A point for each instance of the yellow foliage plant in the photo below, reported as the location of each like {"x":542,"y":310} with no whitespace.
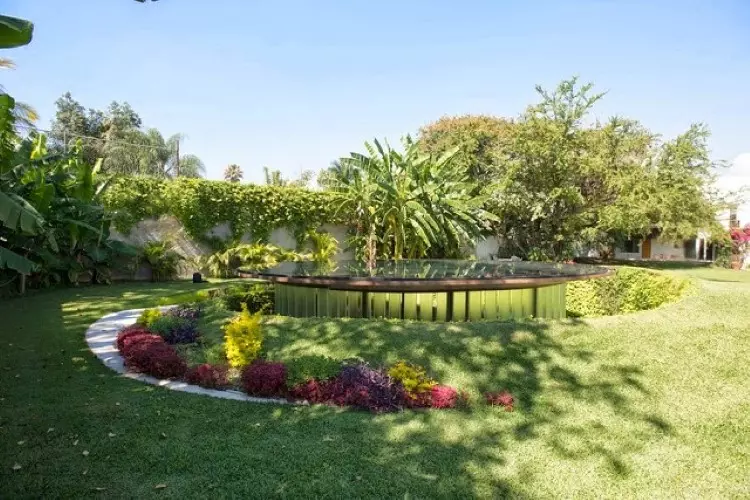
{"x":413,"y":377}
{"x":243,"y":338}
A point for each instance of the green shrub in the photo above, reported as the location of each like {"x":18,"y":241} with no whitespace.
{"x":163,"y":260}
{"x":257,"y":297}
{"x":148,"y":316}
{"x":304,"y":368}
{"x":628,"y":290}
{"x":188,"y":297}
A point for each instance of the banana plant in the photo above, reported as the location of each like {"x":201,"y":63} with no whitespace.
{"x":406,"y":203}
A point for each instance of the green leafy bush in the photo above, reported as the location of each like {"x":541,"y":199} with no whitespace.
{"x":148,"y":316}
{"x":163,"y":260}
{"x":304,"y":368}
{"x":257,"y":297}
{"x":628,"y":290}
{"x":196,"y":297}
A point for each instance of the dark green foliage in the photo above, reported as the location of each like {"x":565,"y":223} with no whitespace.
{"x":162,"y":259}
{"x":629,"y":290}
{"x":175,"y":329}
{"x":304,"y":368}
{"x":258,"y":298}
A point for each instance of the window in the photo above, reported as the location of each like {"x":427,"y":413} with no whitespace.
{"x":733,"y":221}
{"x":630,"y":246}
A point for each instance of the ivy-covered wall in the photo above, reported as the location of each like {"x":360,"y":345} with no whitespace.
{"x":203,"y":205}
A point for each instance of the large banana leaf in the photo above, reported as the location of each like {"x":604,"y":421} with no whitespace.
{"x":16,"y":214}
{"x":15,"y":32}
{"x":12,"y":260}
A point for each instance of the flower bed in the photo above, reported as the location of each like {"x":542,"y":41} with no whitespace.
{"x":153,"y":346}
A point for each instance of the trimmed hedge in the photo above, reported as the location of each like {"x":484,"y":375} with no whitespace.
{"x":628,"y":290}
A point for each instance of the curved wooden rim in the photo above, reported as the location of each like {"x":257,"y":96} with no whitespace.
{"x":420,"y":285}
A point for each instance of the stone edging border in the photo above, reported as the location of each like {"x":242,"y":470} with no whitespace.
{"x":102,"y":335}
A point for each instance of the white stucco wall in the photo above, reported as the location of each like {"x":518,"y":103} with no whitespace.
{"x":486,"y":248}
{"x":620,"y":255}
{"x":168,"y":228}
{"x":665,"y":250}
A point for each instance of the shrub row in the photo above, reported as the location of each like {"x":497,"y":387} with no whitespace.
{"x":627,"y":290}
{"x":150,"y":354}
{"x":256,"y":297}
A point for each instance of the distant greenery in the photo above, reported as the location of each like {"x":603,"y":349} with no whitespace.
{"x":554,"y":179}
{"x":628,"y":290}
{"x":117,"y":135}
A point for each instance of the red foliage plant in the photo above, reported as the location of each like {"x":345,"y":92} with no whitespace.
{"x":502,"y":398}
{"x":208,"y":376}
{"x":263,"y":378}
{"x":151,"y":355}
{"x":443,"y":396}
{"x":313,"y":391}
{"x":128,"y":332}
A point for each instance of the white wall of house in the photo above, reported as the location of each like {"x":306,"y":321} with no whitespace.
{"x":168,"y":228}
{"x":623,"y":255}
{"x":487,"y":248}
{"x":667,"y":250}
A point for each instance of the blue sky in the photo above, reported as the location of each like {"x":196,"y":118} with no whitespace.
{"x":296,"y":84}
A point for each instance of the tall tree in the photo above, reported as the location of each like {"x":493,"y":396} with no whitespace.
{"x":25,"y":115}
{"x":233,"y":173}
{"x":118,"y":137}
{"x":482,"y":143}
{"x":275,"y":178}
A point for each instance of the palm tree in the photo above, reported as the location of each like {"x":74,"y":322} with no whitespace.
{"x":162,"y":158}
{"x":275,"y":178}
{"x":24,"y":114}
{"x":405,"y":204}
{"x":233,"y":173}
{"x":189,"y":166}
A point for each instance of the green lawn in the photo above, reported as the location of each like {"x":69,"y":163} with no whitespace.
{"x":653,"y":404}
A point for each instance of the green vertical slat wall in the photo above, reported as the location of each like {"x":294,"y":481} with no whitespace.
{"x":490,"y":305}
{"x":544,"y":302}
{"x":425,"y":306}
{"x":410,"y":306}
{"x":475,"y":305}
{"x":441,"y":300}
{"x":550,"y":302}
{"x":459,"y":306}
{"x":395,"y":300}
{"x":377,"y":309}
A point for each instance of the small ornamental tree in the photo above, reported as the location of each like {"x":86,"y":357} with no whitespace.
{"x":740,"y":241}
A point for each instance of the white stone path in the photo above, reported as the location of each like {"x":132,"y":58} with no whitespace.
{"x":102,"y":336}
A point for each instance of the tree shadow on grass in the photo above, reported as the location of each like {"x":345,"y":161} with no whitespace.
{"x":573,"y":405}
{"x":582,"y":404}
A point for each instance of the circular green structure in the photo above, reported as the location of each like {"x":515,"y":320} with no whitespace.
{"x":430,"y":290}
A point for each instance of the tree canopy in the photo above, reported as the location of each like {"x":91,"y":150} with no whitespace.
{"x":117,"y":135}
{"x":555,"y":178}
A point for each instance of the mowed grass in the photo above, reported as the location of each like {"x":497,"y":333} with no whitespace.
{"x":652,"y":404}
